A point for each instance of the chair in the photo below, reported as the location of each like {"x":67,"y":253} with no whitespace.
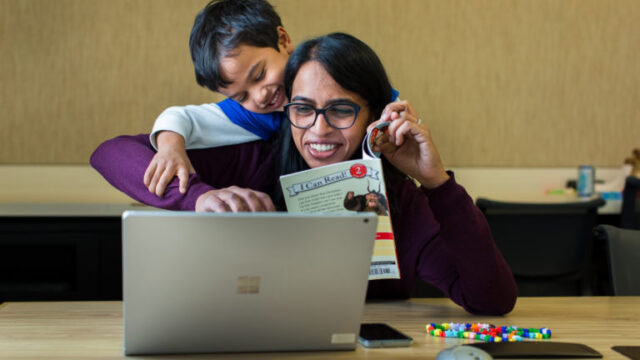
{"x":547,"y":245}
{"x":624,"y":258}
{"x":630,"y":214}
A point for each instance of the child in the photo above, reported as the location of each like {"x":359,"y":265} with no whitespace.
{"x":239,"y":49}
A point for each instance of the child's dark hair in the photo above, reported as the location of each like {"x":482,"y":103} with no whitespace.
{"x":222,"y":26}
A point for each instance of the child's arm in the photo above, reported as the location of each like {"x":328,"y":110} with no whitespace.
{"x":201,"y":126}
{"x":187,"y":127}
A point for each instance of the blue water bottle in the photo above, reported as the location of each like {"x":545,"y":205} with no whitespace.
{"x":586,"y":181}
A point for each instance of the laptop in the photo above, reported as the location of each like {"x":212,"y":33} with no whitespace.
{"x":243,"y":282}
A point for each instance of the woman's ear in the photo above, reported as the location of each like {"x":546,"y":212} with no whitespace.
{"x":284,"y":41}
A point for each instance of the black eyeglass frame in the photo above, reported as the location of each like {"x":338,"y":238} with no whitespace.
{"x":323,"y":111}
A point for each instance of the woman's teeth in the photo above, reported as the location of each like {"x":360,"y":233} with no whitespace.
{"x":322,"y":147}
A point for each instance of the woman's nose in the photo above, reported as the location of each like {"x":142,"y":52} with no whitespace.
{"x":321,"y":125}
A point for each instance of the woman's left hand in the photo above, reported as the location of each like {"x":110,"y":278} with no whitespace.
{"x":408,"y":146}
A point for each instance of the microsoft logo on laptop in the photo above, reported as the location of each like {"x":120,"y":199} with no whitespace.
{"x":248,"y":284}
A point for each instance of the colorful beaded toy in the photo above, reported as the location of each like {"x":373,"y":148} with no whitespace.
{"x":487,"y":332}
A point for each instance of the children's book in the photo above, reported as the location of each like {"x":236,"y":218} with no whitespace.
{"x":356,"y":185}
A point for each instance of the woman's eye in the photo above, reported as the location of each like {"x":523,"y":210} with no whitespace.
{"x":342,"y":111}
{"x":304,"y":110}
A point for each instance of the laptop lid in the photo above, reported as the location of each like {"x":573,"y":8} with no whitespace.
{"x":204,"y":282}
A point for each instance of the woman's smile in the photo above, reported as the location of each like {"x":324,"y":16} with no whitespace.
{"x":321,"y":144}
{"x":322,"y":150}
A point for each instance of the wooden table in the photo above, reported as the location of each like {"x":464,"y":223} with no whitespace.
{"x":93,"y":330}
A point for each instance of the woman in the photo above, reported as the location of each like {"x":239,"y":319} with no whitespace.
{"x":338,"y":88}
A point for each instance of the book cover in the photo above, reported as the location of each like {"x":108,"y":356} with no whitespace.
{"x":356,"y":185}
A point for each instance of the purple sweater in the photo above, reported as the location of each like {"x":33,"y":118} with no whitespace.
{"x":441,"y":236}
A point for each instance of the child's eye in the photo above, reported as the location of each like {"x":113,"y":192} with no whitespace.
{"x":241,"y":98}
{"x":261,"y":75}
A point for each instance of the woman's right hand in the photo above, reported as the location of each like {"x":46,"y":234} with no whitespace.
{"x":408,"y":145}
{"x":234,"y":199}
{"x":170,"y":160}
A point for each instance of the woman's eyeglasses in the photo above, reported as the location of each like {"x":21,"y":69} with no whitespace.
{"x":338,"y":116}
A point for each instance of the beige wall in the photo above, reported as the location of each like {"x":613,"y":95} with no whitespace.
{"x":501,"y":83}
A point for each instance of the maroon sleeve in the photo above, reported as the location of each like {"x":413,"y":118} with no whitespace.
{"x":123,"y":160}
{"x":480,"y":279}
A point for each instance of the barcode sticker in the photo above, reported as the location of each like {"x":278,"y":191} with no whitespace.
{"x":383,"y":270}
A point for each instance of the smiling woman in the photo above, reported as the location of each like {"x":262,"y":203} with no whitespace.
{"x":321,"y":142}
{"x":441,"y":237}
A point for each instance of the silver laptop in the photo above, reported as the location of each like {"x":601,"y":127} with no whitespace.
{"x":202,"y":282}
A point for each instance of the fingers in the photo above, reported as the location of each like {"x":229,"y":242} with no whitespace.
{"x":183,"y":176}
{"x":250,"y":200}
{"x":267,"y":202}
{"x":397,"y":113}
{"x":161,"y":171}
{"x":402,"y":132}
{"x":210,"y":202}
{"x":235,"y":202}
{"x":234,"y":199}
{"x":155,"y":179}
{"x":163,"y":181}
{"x":395,"y":109}
{"x":401,"y":126}
{"x":149,"y":172}
{"x":259,"y":202}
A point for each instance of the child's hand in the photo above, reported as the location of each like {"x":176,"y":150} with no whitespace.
{"x":170,"y":160}
{"x":234,"y":199}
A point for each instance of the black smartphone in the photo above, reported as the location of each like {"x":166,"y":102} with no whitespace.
{"x":382,"y":335}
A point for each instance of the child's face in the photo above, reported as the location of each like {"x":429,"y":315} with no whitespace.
{"x":257,"y":75}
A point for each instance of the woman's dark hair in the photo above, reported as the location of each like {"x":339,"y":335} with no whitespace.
{"x":222,"y":26}
{"x":350,"y":62}
{"x":355,"y":67}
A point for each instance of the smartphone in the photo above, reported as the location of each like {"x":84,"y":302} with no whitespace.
{"x":382,"y":335}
